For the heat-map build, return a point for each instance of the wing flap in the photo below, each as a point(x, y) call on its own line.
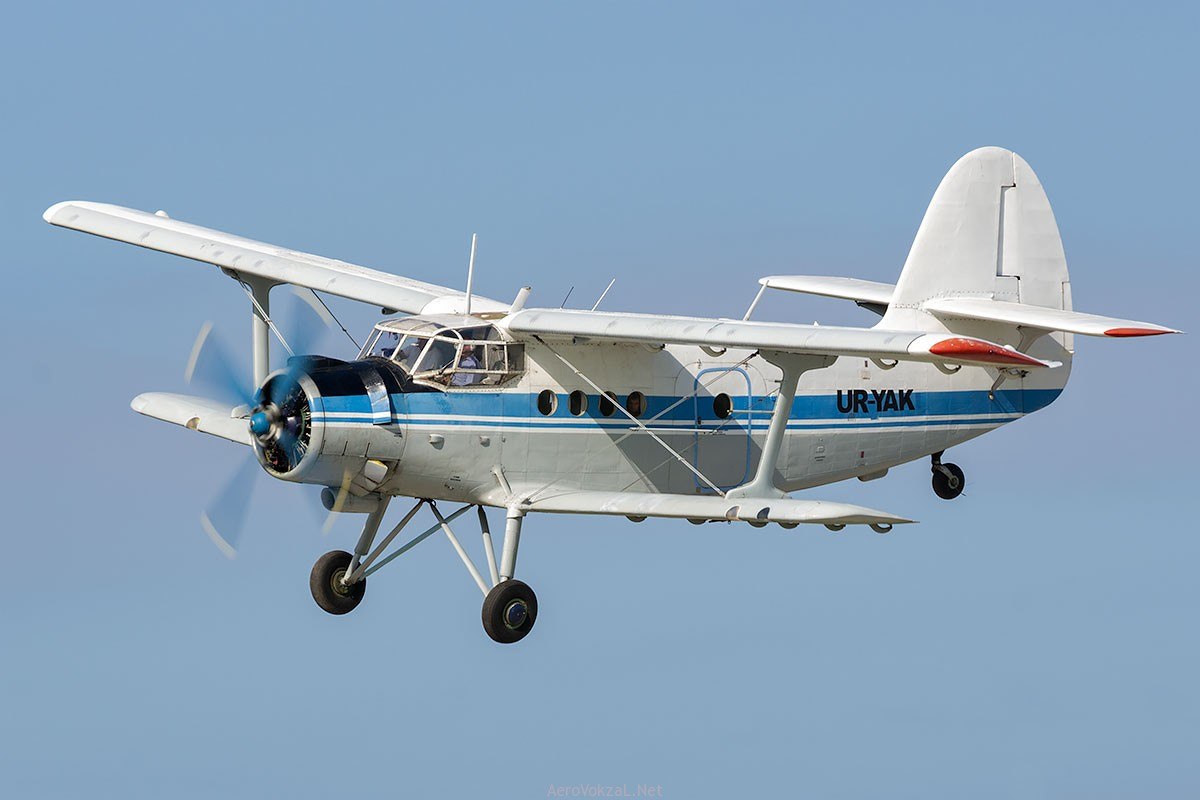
point(195, 413)
point(854, 289)
point(262, 260)
point(1050, 319)
point(710, 507)
point(877, 343)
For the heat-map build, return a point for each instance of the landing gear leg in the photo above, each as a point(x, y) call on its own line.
point(948, 479)
point(339, 579)
point(334, 584)
point(510, 608)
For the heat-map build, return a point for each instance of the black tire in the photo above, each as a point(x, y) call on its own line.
point(947, 487)
point(508, 598)
point(325, 583)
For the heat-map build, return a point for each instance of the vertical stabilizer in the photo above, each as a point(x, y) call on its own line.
point(989, 233)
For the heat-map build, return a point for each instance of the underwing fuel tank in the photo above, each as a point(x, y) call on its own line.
point(330, 422)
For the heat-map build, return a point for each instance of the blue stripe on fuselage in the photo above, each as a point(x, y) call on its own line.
point(520, 408)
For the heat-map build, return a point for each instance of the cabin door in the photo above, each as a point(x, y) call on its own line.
point(721, 442)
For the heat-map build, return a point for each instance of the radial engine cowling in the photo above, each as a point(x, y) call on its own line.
point(281, 424)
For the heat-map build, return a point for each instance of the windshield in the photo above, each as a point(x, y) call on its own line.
point(445, 356)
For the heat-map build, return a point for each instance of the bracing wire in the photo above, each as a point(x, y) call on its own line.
point(335, 319)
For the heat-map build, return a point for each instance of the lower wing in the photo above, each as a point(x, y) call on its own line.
point(708, 508)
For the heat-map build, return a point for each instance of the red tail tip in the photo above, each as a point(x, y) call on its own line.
point(977, 350)
point(1134, 332)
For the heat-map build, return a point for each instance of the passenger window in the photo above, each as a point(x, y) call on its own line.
point(547, 401)
point(635, 404)
point(608, 404)
point(577, 403)
point(722, 406)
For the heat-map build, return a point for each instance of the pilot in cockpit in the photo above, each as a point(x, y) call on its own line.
point(467, 361)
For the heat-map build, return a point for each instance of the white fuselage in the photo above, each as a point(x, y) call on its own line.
point(853, 418)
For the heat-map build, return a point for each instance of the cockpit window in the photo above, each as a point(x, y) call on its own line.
point(439, 355)
point(407, 351)
point(444, 355)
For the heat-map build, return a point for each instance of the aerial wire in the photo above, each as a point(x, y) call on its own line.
point(335, 319)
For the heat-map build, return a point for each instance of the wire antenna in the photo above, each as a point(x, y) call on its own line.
point(604, 294)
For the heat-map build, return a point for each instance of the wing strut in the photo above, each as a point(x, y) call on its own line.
point(793, 366)
point(259, 290)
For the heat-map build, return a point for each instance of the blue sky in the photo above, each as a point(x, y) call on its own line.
point(1035, 638)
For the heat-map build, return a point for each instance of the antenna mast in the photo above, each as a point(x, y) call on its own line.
point(471, 272)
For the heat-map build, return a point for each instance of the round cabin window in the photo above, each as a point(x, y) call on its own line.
point(635, 404)
point(608, 404)
point(577, 403)
point(723, 406)
point(547, 402)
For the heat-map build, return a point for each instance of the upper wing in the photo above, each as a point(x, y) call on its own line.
point(860, 291)
point(1050, 319)
point(709, 507)
point(821, 340)
point(274, 263)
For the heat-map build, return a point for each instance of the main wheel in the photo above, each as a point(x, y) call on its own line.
point(509, 611)
point(949, 486)
point(326, 583)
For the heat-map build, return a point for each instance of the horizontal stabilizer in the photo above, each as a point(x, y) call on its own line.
point(860, 291)
point(709, 507)
point(819, 340)
point(258, 259)
point(1050, 319)
point(196, 414)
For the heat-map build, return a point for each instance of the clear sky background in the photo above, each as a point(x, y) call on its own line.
point(1035, 638)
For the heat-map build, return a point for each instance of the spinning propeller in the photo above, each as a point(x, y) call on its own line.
point(278, 412)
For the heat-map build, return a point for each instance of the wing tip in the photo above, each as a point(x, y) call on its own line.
point(50, 213)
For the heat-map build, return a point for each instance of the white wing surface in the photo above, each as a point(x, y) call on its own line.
point(819, 340)
point(1050, 319)
point(710, 507)
point(258, 259)
point(196, 414)
point(845, 288)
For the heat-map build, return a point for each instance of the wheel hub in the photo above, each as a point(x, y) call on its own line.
point(337, 582)
point(515, 614)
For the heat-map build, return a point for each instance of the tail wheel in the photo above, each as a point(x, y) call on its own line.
point(509, 611)
point(949, 486)
point(326, 584)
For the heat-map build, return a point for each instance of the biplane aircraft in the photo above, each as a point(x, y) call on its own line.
point(458, 399)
